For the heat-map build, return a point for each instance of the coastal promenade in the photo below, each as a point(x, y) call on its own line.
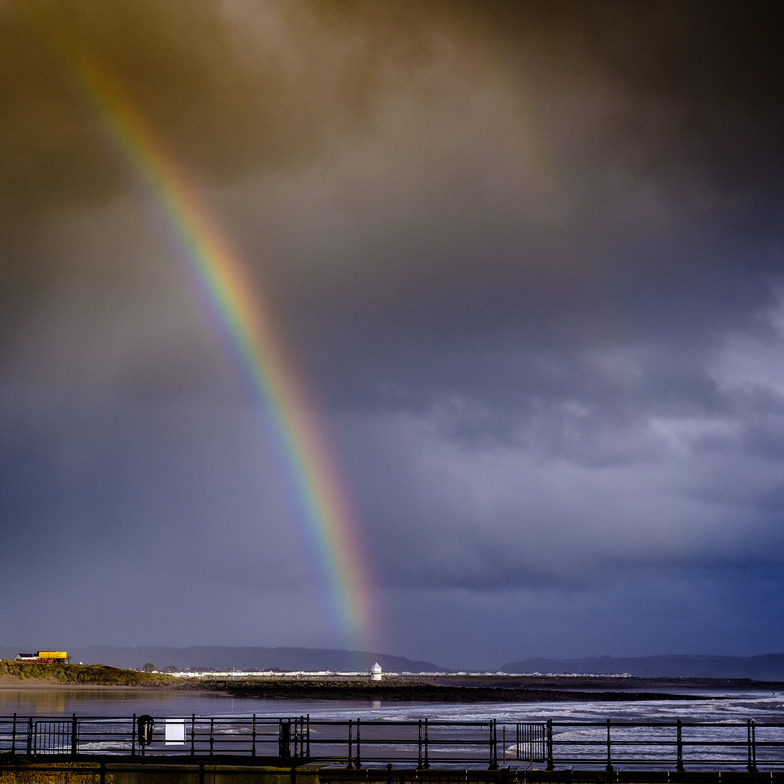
point(177, 772)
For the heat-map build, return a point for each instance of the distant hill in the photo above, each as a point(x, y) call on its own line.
point(228, 658)
point(769, 667)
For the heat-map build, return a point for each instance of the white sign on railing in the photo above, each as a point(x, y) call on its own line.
point(175, 732)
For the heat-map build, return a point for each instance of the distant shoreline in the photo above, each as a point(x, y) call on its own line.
point(413, 688)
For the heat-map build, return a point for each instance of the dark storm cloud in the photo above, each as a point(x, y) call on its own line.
point(219, 84)
point(696, 91)
point(190, 74)
point(654, 209)
point(528, 257)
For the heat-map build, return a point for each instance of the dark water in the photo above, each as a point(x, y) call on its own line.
point(730, 706)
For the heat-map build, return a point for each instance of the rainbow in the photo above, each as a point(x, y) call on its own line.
point(239, 310)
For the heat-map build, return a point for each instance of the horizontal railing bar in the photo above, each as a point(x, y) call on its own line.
point(240, 718)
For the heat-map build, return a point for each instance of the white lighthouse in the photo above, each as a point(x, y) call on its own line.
point(375, 672)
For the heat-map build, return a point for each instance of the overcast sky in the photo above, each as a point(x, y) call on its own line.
point(527, 258)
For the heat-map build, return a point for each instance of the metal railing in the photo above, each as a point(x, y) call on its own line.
point(361, 743)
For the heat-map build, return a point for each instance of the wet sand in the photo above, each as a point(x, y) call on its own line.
point(439, 688)
point(486, 688)
point(491, 688)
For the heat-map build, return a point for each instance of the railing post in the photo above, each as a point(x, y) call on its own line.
point(426, 763)
point(284, 735)
point(300, 739)
point(193, 734)
point(550, 762)
point(73, 736)
point(13, 736)
point(133, 736)
point(29, 737)
point(751, 735)
point(358, 758)
point(350, 762)
point(212, 735)
point(307, 725)
point(253, 738)
point(293, 737)
point(609, 767)
point(493, 745)
point(679, 743)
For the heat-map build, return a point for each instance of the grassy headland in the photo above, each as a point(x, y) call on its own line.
point(81, 674)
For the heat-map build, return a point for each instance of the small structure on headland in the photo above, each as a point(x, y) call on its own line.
point(43, 656)
point(375, 672)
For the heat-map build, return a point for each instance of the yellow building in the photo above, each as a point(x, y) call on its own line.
point(45, 656)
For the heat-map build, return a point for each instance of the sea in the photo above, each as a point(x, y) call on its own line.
point(707, 706)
